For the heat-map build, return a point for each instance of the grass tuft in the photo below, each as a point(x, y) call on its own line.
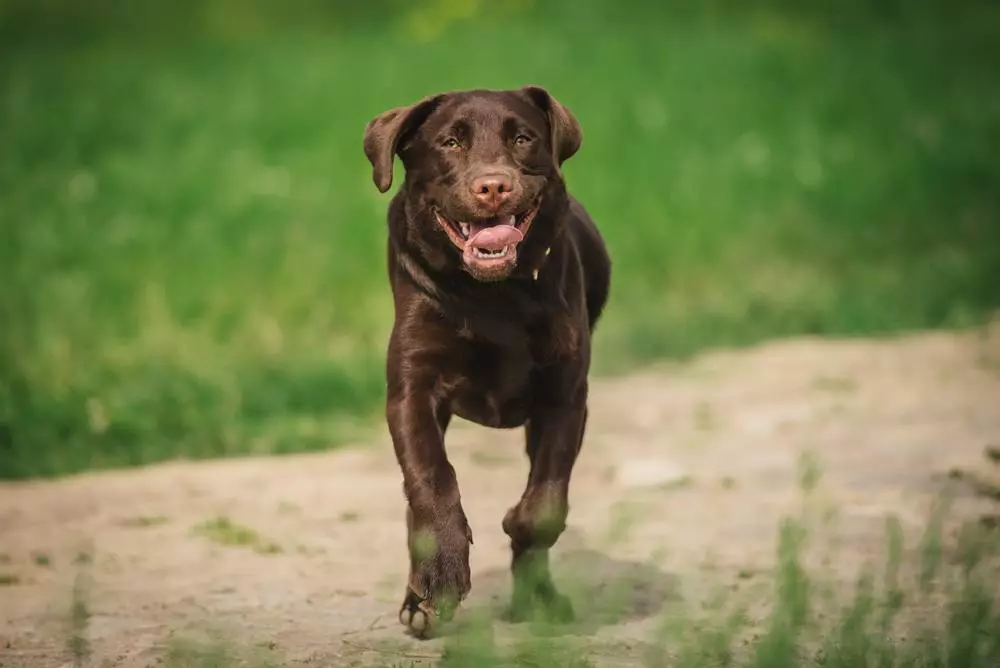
point(79, 620)
point(224, 531)
point(145, 521)
point(891, 619)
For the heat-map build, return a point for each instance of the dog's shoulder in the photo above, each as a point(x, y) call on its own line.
point(591, 252)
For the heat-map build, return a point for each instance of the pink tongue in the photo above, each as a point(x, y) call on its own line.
point(495, 237)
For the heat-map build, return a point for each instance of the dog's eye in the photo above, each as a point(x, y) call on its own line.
point(450, 142)
point(522, 139)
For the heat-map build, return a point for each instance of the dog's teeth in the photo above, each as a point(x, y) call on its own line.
point(513, 220)
point(492, 253)
point(464, 227)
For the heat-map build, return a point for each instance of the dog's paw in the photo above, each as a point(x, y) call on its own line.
point(422, 615)
point(535, 597)
point(440, 577)
point(417, 615)
point(556, 609)
point(545, 605)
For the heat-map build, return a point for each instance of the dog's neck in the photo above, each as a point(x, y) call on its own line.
point(423, 276)
point(534, 272)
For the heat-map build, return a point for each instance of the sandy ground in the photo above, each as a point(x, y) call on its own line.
point(684, 476)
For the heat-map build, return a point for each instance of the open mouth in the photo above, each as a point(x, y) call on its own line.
point(489, 241)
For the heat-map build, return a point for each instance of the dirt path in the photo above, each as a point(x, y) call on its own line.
point(886, 420)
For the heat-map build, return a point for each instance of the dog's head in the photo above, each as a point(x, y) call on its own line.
point(480, 165)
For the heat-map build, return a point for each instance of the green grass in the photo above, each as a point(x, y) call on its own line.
point(192, 251)
point(78, 642)
point(931, 604)
point(224, 531)
point(144, 521)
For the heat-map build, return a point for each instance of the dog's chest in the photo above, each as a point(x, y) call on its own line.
point(491, 384)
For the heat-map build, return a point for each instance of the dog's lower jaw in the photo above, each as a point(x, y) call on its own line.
point(489, 274)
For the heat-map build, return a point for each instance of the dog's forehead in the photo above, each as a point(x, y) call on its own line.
point(484, 108)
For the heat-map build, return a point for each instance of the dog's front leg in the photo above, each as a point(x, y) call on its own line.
point(553, 438)
point(438, 532)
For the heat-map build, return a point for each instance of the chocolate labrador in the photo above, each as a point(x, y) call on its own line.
point(498, 277)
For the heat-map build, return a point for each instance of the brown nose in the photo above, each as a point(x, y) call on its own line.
point(492, 189)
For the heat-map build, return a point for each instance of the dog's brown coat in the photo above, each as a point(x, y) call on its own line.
point(505, 350)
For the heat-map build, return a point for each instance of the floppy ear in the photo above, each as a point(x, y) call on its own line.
point(384, 133)
point(566, 133)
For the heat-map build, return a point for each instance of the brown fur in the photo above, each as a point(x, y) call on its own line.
point(505, 348)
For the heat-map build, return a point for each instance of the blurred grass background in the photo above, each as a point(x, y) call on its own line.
point(192, 257)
